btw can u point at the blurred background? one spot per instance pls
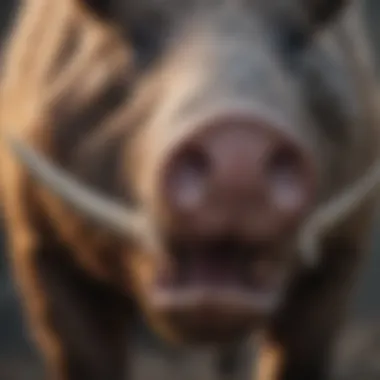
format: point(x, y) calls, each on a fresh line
point(360, 348)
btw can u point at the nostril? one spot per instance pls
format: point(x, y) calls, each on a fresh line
point(287, 176)
point(187, 178)
point(284, 163)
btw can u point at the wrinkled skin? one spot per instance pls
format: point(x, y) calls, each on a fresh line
point(108, 98)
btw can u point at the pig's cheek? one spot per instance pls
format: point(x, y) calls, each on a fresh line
point(142, 271)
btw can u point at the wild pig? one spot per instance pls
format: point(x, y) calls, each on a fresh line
point(194, 142)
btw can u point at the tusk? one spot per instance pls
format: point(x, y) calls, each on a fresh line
point(336, 210)
point(111, 214)
point(117, 218)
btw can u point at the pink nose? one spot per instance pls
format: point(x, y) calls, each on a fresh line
point(239, 174)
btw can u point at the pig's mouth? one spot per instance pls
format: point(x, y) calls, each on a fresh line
point(220, 276)
point(219, 289)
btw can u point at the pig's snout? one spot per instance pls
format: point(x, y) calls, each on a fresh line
point(234, 172)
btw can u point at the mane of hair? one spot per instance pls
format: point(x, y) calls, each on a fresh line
point(58, 58)
point(64, 78)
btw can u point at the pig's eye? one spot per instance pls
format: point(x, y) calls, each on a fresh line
point(143, 43)
point(147, 36)
point(294, 40)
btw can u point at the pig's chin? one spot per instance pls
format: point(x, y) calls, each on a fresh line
point(215, 291)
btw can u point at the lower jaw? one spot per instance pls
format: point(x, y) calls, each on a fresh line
point(213, 316)
point(196, 329)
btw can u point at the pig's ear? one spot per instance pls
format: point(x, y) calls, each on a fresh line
point(323, 11)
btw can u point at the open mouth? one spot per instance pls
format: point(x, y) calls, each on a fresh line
point(225, 274)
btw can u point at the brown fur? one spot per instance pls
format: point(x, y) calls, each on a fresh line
point(63, 64)
point(94, 47)
point(316, 307)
